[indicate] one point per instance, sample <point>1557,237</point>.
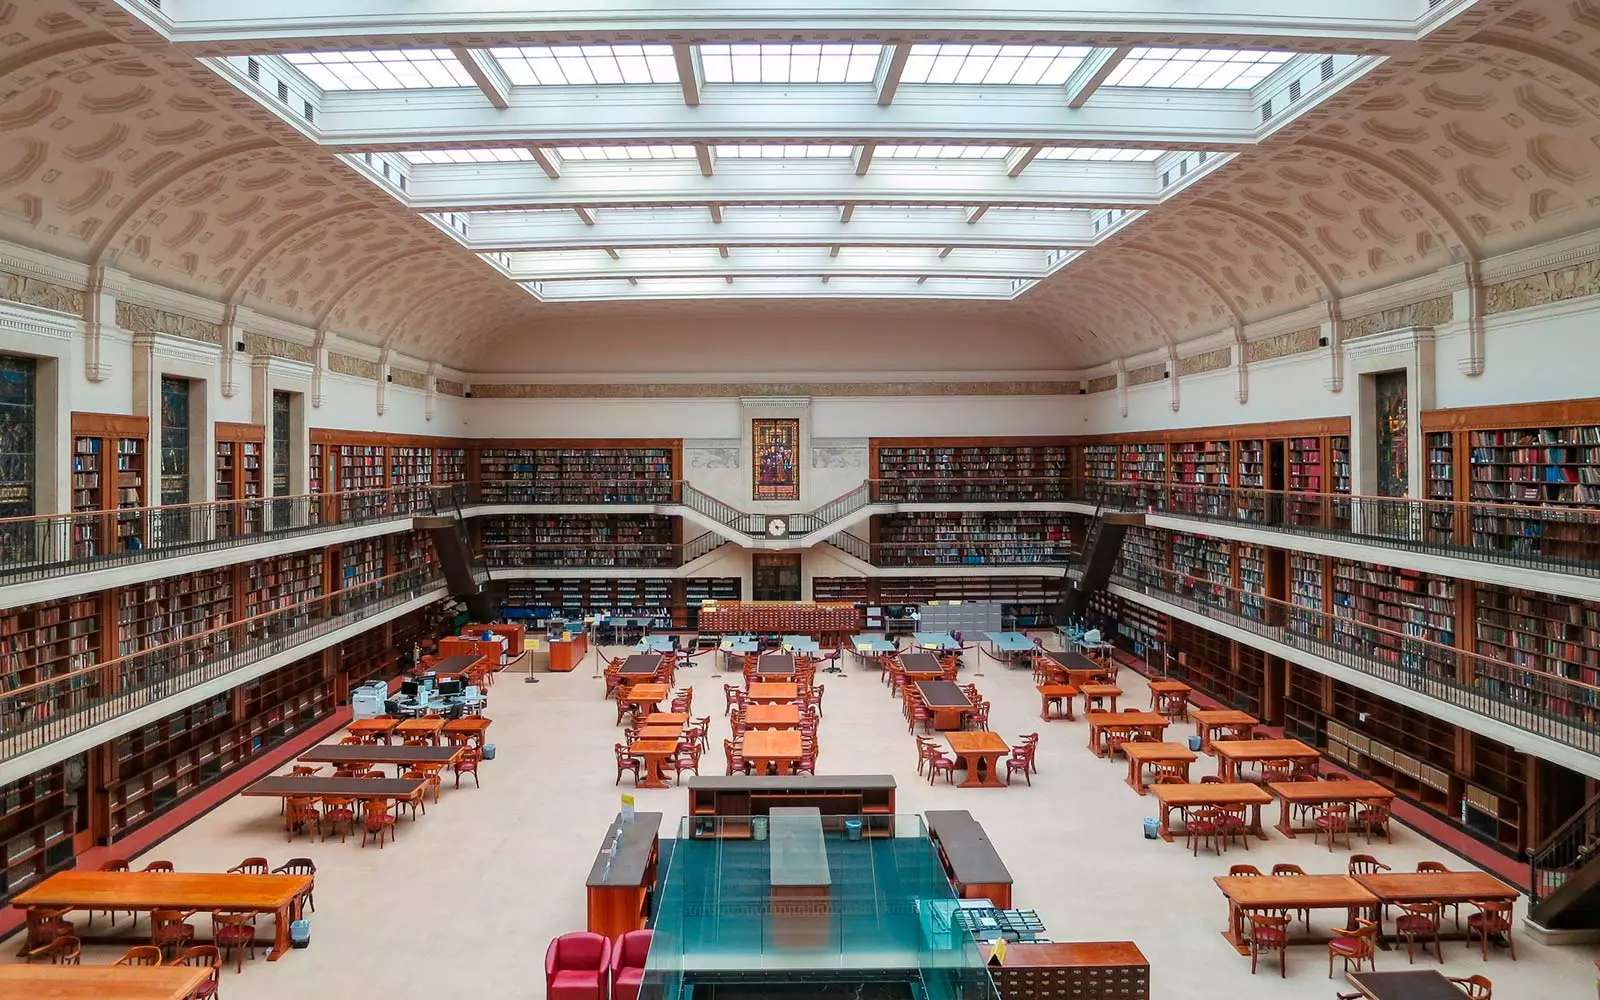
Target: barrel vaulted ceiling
<point>1073,208</point>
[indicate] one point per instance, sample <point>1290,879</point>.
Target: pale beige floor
<point>467,899</point>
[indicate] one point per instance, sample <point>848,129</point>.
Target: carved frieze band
<point>1104,383</point>
<point>1283,345</point>
<point>259,345</point>
<point>40,294</point>
<point>1147,374</point>
<point>660,390</point>
<point>411,380</point>
<point>1428,313</point>
<point>135,318</point>
<point>1542,289</point>
<point>450,387</point>
<point>345,364</point>
<point>1210,361</point>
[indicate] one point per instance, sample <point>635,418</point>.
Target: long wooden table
<point>1072,668</point>
<point>1141,754</point>
<point>1316,793</point>
<point>330,753</point>
<point>1232,753</point>
<point>1437,887</point>
<point>647,695</point>
<point>474,726</point>
<point>373,727</point>
<point>772,746</point>
<point>759,692</point>
<point>100,982</point>
<point>427,729</point>
<point>946,702</point>
<point>921,666</point>
<point>279,895</point>
<point>1409,984</point>
<point>1060,694</point>
<point>1208,720</point>
<point>288,786</point>
<point>1198,796</point>
<point>980,754</point>
<point>1101,723</point>
<point>1296,892</point>
<point>772,716</point>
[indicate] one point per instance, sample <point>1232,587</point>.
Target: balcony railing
<point>557,555</point>
<point>531,491</point>
<point>853,545</point>
<point>971,489</point>
<point>834,510</point>
<point>1548,705</point>
<point>39,713</point>
<point>55,545</point>
<point>1020,552</point>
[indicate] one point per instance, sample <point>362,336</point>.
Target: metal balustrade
<point>566,555</point>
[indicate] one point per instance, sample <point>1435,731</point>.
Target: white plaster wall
<point>602,418</point>
<point>115,394</point>
<point>950,416</point>
<point>1531,355</point>
<point>730,561</point>
<point>350,403</point>
<point>1286,389</point>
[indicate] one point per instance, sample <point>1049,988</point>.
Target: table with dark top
<point>921,666</point>
<point>619,884</point>
<point>1072,668</point>
<point>331,753</point>
<point>970,860</point>
<point>946,702</point>
<point>641,665</point>
<point>775,665</point>
<point>457,664</point>
<point>1411,984</point>
<point>311,786</point>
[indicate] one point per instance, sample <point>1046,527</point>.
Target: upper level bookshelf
<point>108,473</point>
<point>239,473</point>
<point>410,465</point>
<point>999,589</point>
<point>49,639</point>
<point>1252,565</point>
<point>975,470</point>
<point>277,583</point>
<point>163,611</point>
<point>1307,585</point>
<point>631,540</point>
<point>1145,555</point>
<point>971,538</point>
<point>1203,568</point>
<point>450,464</point>
<point>1399,601</point>
<point>623,596</point>
<point>1542,635</point>
<point>1100,462</point>
<point>1201,463</point>
<point>578,472</point>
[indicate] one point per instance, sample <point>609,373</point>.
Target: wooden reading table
<point>475,726</point>
<point>1163,689</point>
<point>1436,887</point>
<point>772,716</point>
<point>426,728</point>
<point>970,860</point>
<point>640,665</point>
<point>654,753</point>
<point>1298,892</point>
<point>1409,984</point>
<point>1208,720</point>
<point>1141,755</point>
<point>1093,691</point>
<point>667,719</point>
<point>1101,723</point>
<point>661,733</point>
<point>921,666</point>
<point>979,753</point>
<point>401,756</point>
<point>1072,668</point>
<point>773,692</point>
<point>1198,796</point>
<point>647,695</point>
<point>946,702</point>
<point>780,747</point>
<point>775,666</point>
<point>1060,695</point>
<point>367,728</point>
<point>286,786</point>
<point>100,982</point>
<point>1232,753</point>
<point>279,895</point>
<point>1316,793</point>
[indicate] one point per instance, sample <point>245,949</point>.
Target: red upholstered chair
<point>575,967</point>
<point>627,964</point>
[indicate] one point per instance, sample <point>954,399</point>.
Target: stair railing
<point>1572,846</point>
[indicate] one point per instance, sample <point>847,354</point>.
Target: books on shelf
<point>274,584</point>
<point>1252,580</point>
<point>1203,568</point>
<point>450,465</point>
<point>1540,635</point>
<point>1306,588</point>
<point>1100,462</point>
<point>973,473</point>
<point>576,475</point>
<point>1144,557</point>
<point>972,538</point>
<point>1405,602</point>
<point>629,540</point>
<point>1201,463</point>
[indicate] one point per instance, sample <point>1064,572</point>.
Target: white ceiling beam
<point>846,211</point>
<point>547,160</point>
<point>945,252</point>
<point>354,121</point>
<point>861,156</point>
<point>976,212</point>
<point>1018,159</point>
<point>722,252</point>
<point>702,263</point>
<point>612,253</point>
<point>716,213</point>
<point>486,73</point>
<point>1092,72</point>
<point>586,214</point>
<point>484,186</point>
<point>690,74</point>
<point>228,27</point>
<point>891,65</point>
<point>833,251</point>
<point>702,155</point>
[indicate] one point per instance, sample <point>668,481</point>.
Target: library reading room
<point>415,412</point>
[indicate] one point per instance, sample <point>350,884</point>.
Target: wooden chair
<point>300,866</point>
<point>1493,919</point>
<point>1372,816</point>
<point>414,801</point>
<point>1172,769</point>
<point>159,867</point>
<point>1203,825</point>
<point>1231,823</point>
<point>1269,933</point>
<point>1333,819</point>
<point>114,865</point>
<point>376,821</point>
<point>625,762</point>
<point>1418,920</point>
<point>978,718</point>
<point>168,931</point>
<point>1245,871</point>
<point>251,866</point>
<point>1273,770</point>
<point>203,956</point>
<point>1366,864</point>
<point>147,955</point>
<point>1476,987</point>
<point>431,773</point>
<point>704,725</point>
<point>1032,740</point>
<point>337,810</point>
<point>1355,945</point>
<point>939,761</point>
<point>1438,867</point>
<point>352,741</point>
<point>467,763</point>
<point>45,924</point>
<point>64,950</point>
<point>301,813</point>
<point>1287,870</point>
<point>234,932</point>
<point>736,762</point>
<point>1021,759</point>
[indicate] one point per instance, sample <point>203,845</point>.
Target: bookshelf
<point>1144,556</point>
<point>88,536</point>
<point>19,434</point>
<point>1542,635</point>
<point>1403,601</point>
<point>225,470</point>
<point>46,640</point>
<point>1307,576</point>
<point>1201,463</point>
<point>1136,625</point>
<point>621,540</point>
<point>1100,462</point>
<point>972,538</point>
<point>317,482</point>
<point>627,597</point>
<point>162,611</point>
<point>1254,474</point>
<point>1307,471</point>
<point>412,550</point>
<point>450,465</point>
<point>239,473</point>
<point>371,656</point>
<point>1208,662</point>
<point>1339,463</point>
<point>1543,471</point>
<point>361,563</point>
<point>699,589</point>
<point>839,589</point>
<point>1252,560</point>
<point>38,817</point>
<point>579,474</point>
<point>360,467</point>
<point>975,471</point>
<point>275,583</point>
<point>1495,792</point>
<point>1033,590</point>
<point>410,466</point>
<point>1203,568</point>
<point>1441,478</point>
<point>108,473</point>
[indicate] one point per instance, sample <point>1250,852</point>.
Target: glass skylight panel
<point>1201,69</point>
<point>992,64</point>
<point>582,65</point>
<point>782,151</point>
<point>952,152</point>
<point>510,155</point>
<point>1101,154</point>
<point>626,152</point>
<point>382,69</point>
<point>786,63</point>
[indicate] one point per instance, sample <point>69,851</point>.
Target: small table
<point>673,733</point>
<point>867,647</point>
<point>737,649</point>
<point>654,752</point>
<point>647,695</point>
<point>92,982</point>
<point>1061,694</point>
<point>667,719</point>
<point>640,665</point>
<point>946,702</point>
<point>475,726</point>
<point>759,692</point>
<point>801,644</point>
<point>1232,753</point>
<point>655,644</point>
<point>1410,984</point>
<point>1208,720</point>
<point>1013,645</point>
<point>776,747</point>
<point>1316,793</point>
<point>979,753</point>
<point>772,666</point>
<point>1141,754</point>
<point>772,716</point>
<point>413,728</point>
<point>942,641</point>
<point>1160,691</point>
<point>1194,796</point>
<point>367,728</point>
<point>1093,691</point>
<point>1299,892</point>
<point>1072,668</point>
<point>1130,722</point>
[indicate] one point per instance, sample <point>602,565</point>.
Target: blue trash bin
<point>852,829</point>
<point>1152,828</point>
<point>1194,743</point>
<point>300,933</point>
<point>488,751</point>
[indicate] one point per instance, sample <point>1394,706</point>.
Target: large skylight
<point>576,65</point>
<point>1100,153</point>
<point>782,151</point>
<point>382,69</point>
<point>654,152</point>
<point>916,152</point>
<point>1202,69</point>
<point>508,155</point>
<point>784,63</point>
<point>995,64</point>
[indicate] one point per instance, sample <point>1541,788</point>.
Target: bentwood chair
<point>1418,920</point>
<point>234,933</point>
<point>300,866</point>
<point>1493,919</point>
<point>1269,933</point>
<point>251,866</point>
<point>1475,987</point>
<point>140,955</point>
<point>168,930</point>
<point>1355,945</point>
<point>45,924</point>
<point>64,950</point>
<point>1439,868</point>
<point>203,956</point>
<point>377,821</point>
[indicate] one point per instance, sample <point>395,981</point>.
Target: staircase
<point>1101,550</point>
<point>461,574</point>
<point>1565,874</point>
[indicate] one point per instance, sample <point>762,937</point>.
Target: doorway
<point>775,577</point>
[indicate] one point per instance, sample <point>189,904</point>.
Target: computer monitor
<point>450,688</point>
<point>409,688</point>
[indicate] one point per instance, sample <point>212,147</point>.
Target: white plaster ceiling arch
<point>291,229</point>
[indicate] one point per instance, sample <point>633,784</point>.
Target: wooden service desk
<point>1232,753</point>
<point>279,895</point>
<point>1298,892</point>
<point>970,860</point>
<point>514,635</point>
<point>619,885</point>
<point>1142,755</point>
<point>1317,793</point>
<point>721,806</point>
<point>100,982</point>
<point>1088,970</point>
<point>567,653</point>
<point>1101,723</point>
<point>1194,796</point>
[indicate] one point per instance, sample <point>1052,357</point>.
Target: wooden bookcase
<point>1203,568</point>
<point>620,540</point>
<point>450,464</point>
<point>239,473</point>
<point>1145,552</point>
<point>627,597</point>
<point>1308,588</point>
<point>1251,566</point>
<point>162,611</point>
<point>839,588</point>
<point>362,562</point>
<point>1255,473</point>
<point>109,472</point>
<point>971,538</point>
<point>1398,601</point>
<point>1100,462</point>
<point>1541,634</point>
<point>555,471</point>
<point>723,806</point>
<point>38,820</point>
<point>1201,463</point>
<point>280,582</point>
<point>1214,665</point>
<point>974,470</point>
<point>46,640</point>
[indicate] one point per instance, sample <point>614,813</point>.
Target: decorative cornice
<point>1407,339</point>
<point>450,387</point>
<point>261,345</point>
<point>1147,374</point>
<point>1102,383</point>
<point>1556,285</point>
<point>1432,312</point>
<point>171,347</point>
<point>346,364</point>
<point>36,322</point>
<point>409,379</point>
<point>1210,361</point>
<point>762,390</point>
<point>137,319</point>
<point>1283,345</point>
<point>41,293</point>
